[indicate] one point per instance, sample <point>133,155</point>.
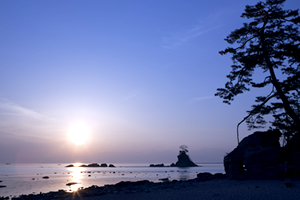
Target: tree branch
<point>254,110</point>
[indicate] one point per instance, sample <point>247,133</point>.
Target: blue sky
<point>140,74</point>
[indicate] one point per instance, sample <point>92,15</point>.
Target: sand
<point>213,189</point>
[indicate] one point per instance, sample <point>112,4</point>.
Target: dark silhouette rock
<point>258,156</point>
<point>172,165</point>
<point>157,165</point>
<point>45,177</point>
<point>292,152</point>
<point>184,160</point>
<point>103,165</point>
<point>220,176</point>
<point>294,162</point>
<point>206,176</point>
<point>164,179</point>
<point>93,165</point>
<point>72,183</point>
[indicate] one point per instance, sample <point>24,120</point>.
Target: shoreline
<point>28,179</point>
<point>205,186</point>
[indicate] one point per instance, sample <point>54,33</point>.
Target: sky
<point>137,78</point>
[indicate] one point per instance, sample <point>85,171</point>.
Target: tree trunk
<point>276,84</point>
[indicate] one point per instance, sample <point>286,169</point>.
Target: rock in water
<point>157,165</point>
<point>93,165</point>
<point>72,183</point>
<point>184,160</point>
<point>103,165</point>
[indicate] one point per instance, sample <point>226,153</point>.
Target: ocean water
<point>28,178</point>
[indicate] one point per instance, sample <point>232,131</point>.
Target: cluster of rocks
<point>183,161</point>
<point>93,165</point>
<point>123,187</point>
<point>260,156</point>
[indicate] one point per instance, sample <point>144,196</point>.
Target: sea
<point>38,178</point>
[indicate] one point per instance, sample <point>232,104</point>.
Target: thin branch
<point>240,47</point>
<point>254,110</point>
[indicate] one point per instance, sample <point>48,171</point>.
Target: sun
<point>79,133</point>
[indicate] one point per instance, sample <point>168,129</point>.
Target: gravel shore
<point>218,189</point>
<point>214,189</point>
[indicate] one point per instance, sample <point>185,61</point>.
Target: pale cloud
<point>18,121</point>
<point>178,38</point>
<point>9,108</point>
<point>197,99</point>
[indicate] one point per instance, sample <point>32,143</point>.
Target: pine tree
<point>271,41</point>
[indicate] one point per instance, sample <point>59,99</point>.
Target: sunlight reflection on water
<point>75,184</point>
<point>75,187</point>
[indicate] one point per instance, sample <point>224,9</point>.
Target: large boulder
<point>257,156</point>
<point>292,153</point>
<point>264,163</point>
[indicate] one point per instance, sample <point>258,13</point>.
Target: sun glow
<point>79,133</point>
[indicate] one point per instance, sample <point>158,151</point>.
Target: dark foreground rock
<point>258,156</point>
<point>123,187</point>
<point>206,176</point>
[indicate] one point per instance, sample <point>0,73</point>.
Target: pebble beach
<point>218,189</point>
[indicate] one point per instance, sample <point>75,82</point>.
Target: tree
<point>184,149</point>
<point>271,41</point>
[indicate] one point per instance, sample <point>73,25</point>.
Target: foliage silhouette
<point>271,41</point>
<point>184,148</point>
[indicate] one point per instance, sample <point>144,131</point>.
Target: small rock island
<point>183,159</point>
